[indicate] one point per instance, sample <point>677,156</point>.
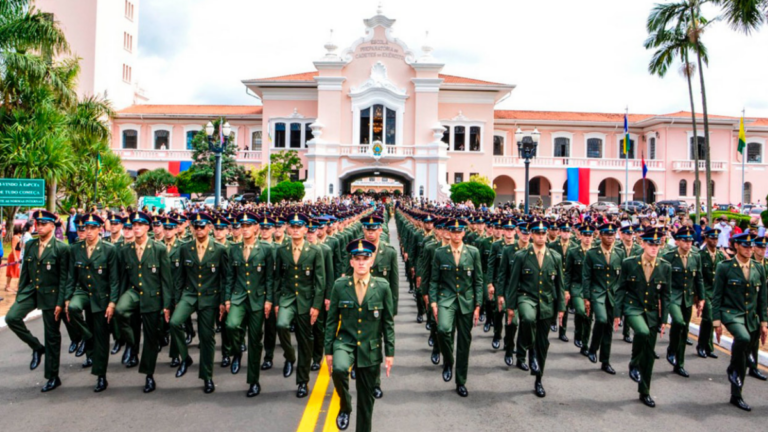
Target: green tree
<point>188,184</point>
<point>204,160</point>
<point>744,16</point>
<point>283,163</point>
<point>476,192</point>
<point>153,182</point>
<point>480,179</point>
<point>287,190</point>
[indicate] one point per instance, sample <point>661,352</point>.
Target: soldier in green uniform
<point>562,245</point>
<point>455,296</point>
<point>687,289</point>
<point>630,249</point>
<point>267,225</point>
<point>537,291</point>
<point>94,282</point>
<point>360,323</point>
<point>318,329</point>
<point>643,299</point>
<point>494,317</point>
<point>147,288</point>
<point>424,275</point>
<point>203,280</point>
<point>116,238</point>
<point>600,273</point>
<point>759,257</point>
<point>300,285</point>
<point>483,244</point>
<point>711,256</point>
<point>173,247</point>
<point>221,226</point>
<point>428,222</point>
<point>574,278</point>
<point>739,302</point>
<point>249,296</point>
<point>42,285</point>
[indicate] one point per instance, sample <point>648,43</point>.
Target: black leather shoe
<point>656,355</point>
<point>462,391</point>
<point>419,319</point>
<point>647,401</point>
<point>533,362</point>
<point>287,369</point>
<point>487,327</point>
<point>302,392</point>
<point>132,362</point>
<point>712,354</point>
<point>607,368</point>
<point>553,328</point>
<point>126,355</point>
<point>293,328</point>
<point>342,421</point>
<point>243,348</point>
<point>101,384</point>
<point>184,367</point>
<point>592,357</point>
<point>681,371</point>
<point>431,341</point>
<point>52,384</point>
<point>190,338</point>
<point>72,347</point>
<point>627,339</point>
<point>165,341</point>
<point>87,363</point>
<point>175,362</point>
<point>315,366</point>
<point>584,351</point>
<point>267,365</point>
<point>37,356</point>
<point>564,338</point>
<point>671,358</point>
<point>522,366</point>
<point>447,373</point>
<point>428,326</point>
<point>538,388</point>
<point>149,385</point>
<point>509,360</point>
<point>209,387</point>
<point>80,351</point>
<point>496,344</point>
<point>116,347</point>
<point>634,374</point>
<point>734,378</point>
<point>739,402</point>
<point>435,358</point>
<point>377,393</point>
<point>253,390</point>
<point>226,361</point>
<point>688,341</point>
<point>577,343</point>
<point>217,329</point>
<point>482,317</point>
<point>353,373</point>
<point>236,364</point>
<point>754,373</point>
<point>701,352</point>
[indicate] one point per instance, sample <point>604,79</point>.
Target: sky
<point>562,55</point>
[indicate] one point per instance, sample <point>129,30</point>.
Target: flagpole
<point>743,160</point>
<point>626,158</point>
<point>642,170</point>
<point>269,169</point>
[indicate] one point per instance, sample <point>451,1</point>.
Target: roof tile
<point>193,109</point>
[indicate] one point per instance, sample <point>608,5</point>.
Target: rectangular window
<point>498,145</point>
<point>458,177</point>
<point>652,149</point>
<point>595,148</point>
<point>129,10</point>
<point>127,42</point>
<point>190,138</point>
<point>130,139</point>
<point>280,135</point>
<point>472,175</point>
<point>294,175</point>
<point>754,152</point>
<point>295,135</point>
<point>378,123</point>
<point>562,147</point>
<point>390,124</point>
<point>256,141</point>
<point>365,126</point>
<point>459,136</point>
<point>630,149</point>
<point>474,138</point>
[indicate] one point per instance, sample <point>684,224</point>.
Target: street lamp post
<point>217,146</point>
<point>526,147</point>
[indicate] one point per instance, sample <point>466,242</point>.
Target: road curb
<point>726,343</point>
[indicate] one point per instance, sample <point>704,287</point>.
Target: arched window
<point>702,148</point>
<point>459,136</point>
<point>498,145</point>
<point>474,138</point>
<point>280,135</point>
<point>595,148</point>
<point>630,149</point>
<point>161,139</point>
<point>130,139</point>
<point>652,148</point>
<point>562,147</point>
<point>683,188</point>
<point>256,141</point>
<point>378,123</point>
<point>190,138</point>
<point>754,152</point>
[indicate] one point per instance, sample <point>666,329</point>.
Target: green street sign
<point>22,192</point>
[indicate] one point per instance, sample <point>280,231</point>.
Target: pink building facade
<point>380,109</point>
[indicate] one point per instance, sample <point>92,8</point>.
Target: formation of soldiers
<point>521,275</point>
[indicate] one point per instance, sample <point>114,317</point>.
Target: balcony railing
<point>365,150</point>
<point>177,155</point>
<point>560,162</point>
<point>689,165</point>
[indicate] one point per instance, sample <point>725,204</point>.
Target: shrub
<point>476,192</point>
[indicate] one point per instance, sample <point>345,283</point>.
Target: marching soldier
<point>94,282</point>
<point>687,289</point>
<point>267,225</point>
<point>116,238</point>
<point>173,247</point>
<point>221,227</point>
<point>318,329</point>
<point>537,291</point>
<point>147,289</point>
<point>630,249</point>
<point>562,245</point>
<point>249,296</point>
<point>711,256</point>
<point>739,302</point>
<point>424,269</point>
<point>600,273</point>
<point>759,257</point>
<point>574,278</point>
<point>300,281</point>
<point>643,297</point>
<point>42,285</point>
<point>204,272</point>
<point>455,295</point>
<point>359,317</point>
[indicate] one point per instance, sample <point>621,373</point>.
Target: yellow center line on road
<point>330,416</point>
<point>315,402</point>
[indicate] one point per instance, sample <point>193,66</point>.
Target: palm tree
<point>745,16</point>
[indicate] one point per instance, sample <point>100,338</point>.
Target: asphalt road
<point>579,395</point>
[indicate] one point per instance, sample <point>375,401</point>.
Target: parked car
<point>211,201</point>
<point>604,206</point>
<point>567,205</point>
<point>633,206</point>
<point>722,207</point>
<point>679,205</point>
<point>756,211</point>
<point>245,198</point>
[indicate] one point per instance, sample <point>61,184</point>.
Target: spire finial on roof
<point>380,8</point>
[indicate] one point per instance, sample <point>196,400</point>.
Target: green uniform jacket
<point>329,270</point>
<point>483,244</point>
<point>636,296</point>
<point>97,276</point>
<point>351,325</point>
<point>150,278</point>
<point>557,246</point>
<point>450,282</point>
<point>737,300</point>
<point>303,282</point>
<point>174,258</point>
<point>708,267</point>
<point>538,287</point>
<point>333,243</point>
<point>202,283</point>
<point>251,280</point>
<point>494,259</point>
<point>635,250</point>
<point>44,278</point>
<point>574,277</point>
<point>424,266</point>
<point>600,278</point>
<point>686,281</point>
<point>505,264</point>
